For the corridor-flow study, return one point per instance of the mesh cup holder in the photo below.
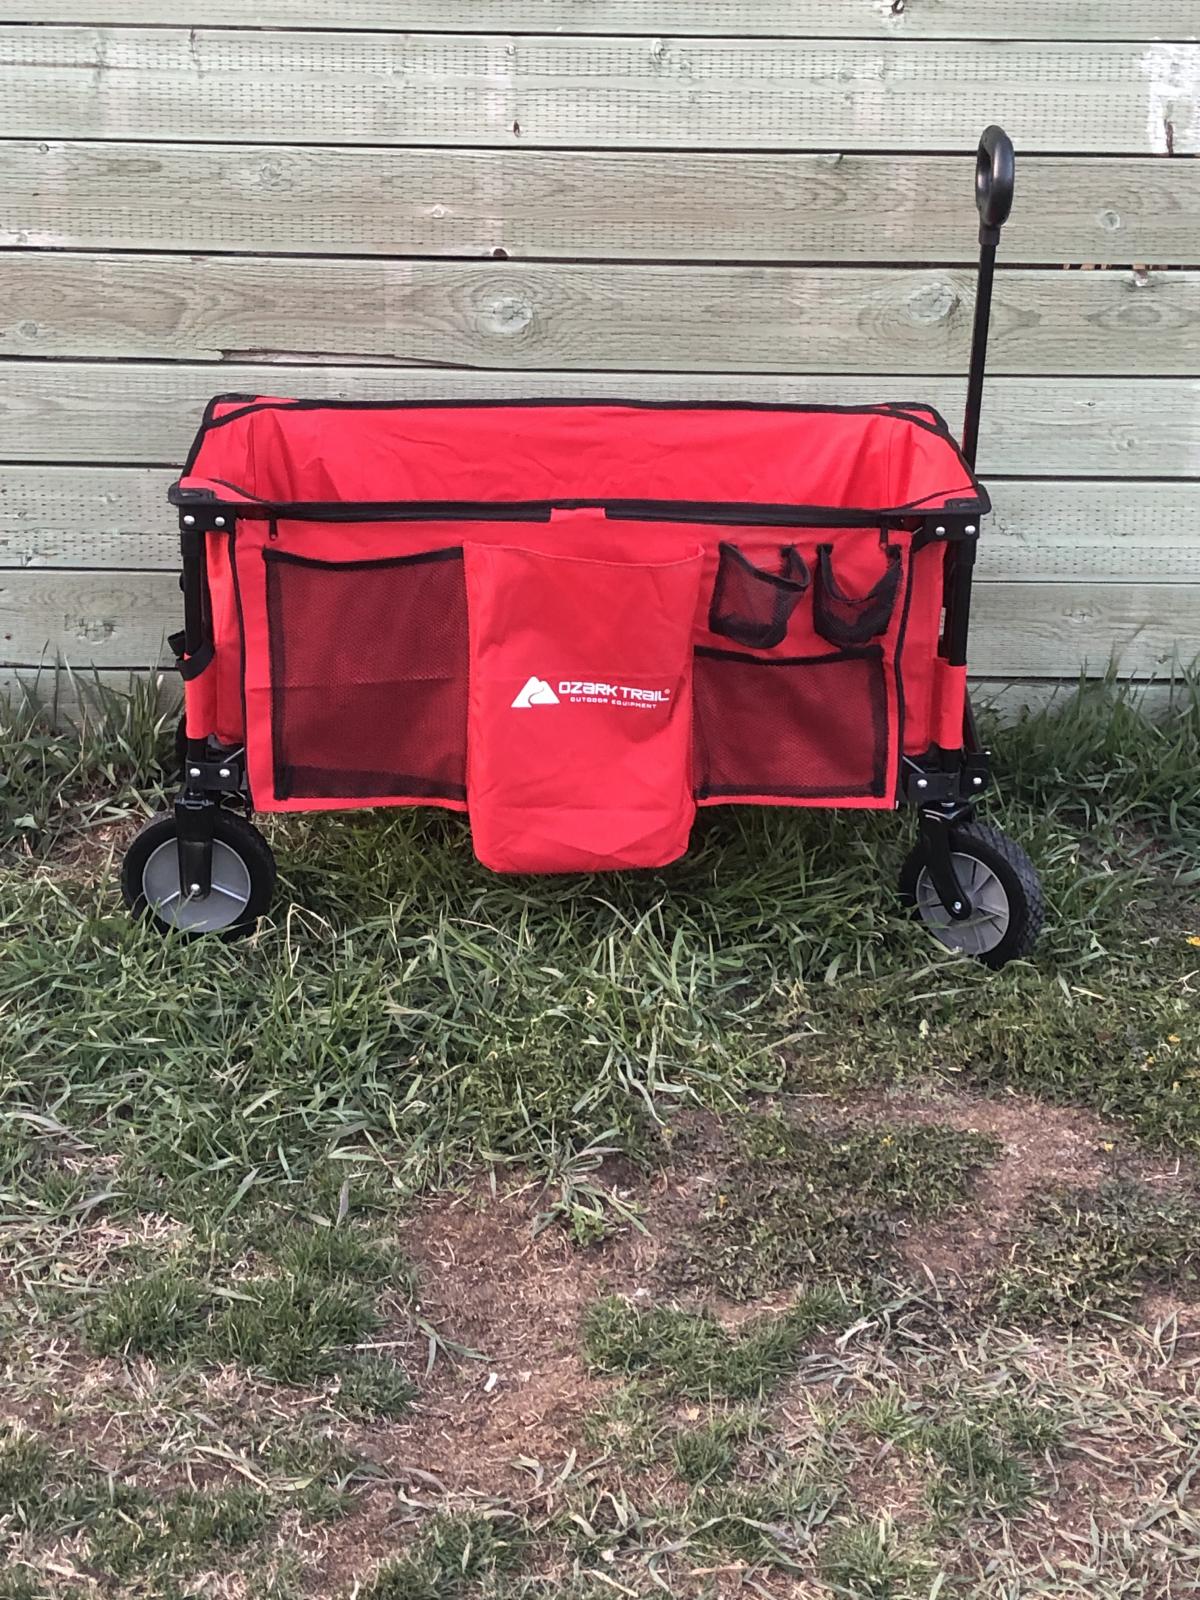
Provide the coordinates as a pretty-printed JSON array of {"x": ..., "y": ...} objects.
[
  {"x": 848, "y": 620},
  {"x": 799, "y": 727},
  {"x": 368, "y": 676},
  {"x": 752, "y": 605}
]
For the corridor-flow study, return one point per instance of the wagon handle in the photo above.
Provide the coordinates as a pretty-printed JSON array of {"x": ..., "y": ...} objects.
[{"x": 995, "y": 170}]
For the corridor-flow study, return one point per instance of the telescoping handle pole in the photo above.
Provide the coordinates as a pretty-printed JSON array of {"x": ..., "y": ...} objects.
[{"x": 995, "y": 168}]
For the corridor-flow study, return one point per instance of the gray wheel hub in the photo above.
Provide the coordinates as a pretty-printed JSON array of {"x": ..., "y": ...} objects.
[
  {"x": 220, "y": 908},
  {"x": 990, "y": 917}
]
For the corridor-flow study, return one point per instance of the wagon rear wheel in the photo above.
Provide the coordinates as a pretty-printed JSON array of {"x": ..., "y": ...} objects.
[
  {"x": 243, "y": 879},
  {"x": 1005, "y": 891}
]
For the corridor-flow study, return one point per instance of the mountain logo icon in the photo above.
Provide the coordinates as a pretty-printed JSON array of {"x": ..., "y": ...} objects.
[{"x": 537, "y": 692}]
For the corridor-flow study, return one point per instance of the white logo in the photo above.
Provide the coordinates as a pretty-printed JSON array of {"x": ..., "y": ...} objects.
[
  {"x": 537, "y": 692},
  {"x": 582, "y": 691}
]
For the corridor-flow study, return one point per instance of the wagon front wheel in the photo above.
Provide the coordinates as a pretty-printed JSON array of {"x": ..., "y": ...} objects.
[
  {"x": 243, "y": 879},
  {"x": 1005, "y": 890}
]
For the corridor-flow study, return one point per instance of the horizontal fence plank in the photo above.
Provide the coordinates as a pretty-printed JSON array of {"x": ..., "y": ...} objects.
[
  {"x": 508, "y": 314},
  {"x": 147, "y": 413},
  {"x": 1018, "y": 629},
  {"x": 1057, "y": 629},
  {"x": 1009, "y": 701},
  {"x": 914, "y": 19},
  {"x": 364, "y": 88},
  {"x": 86, "y": 517},
  {"x": 688, "y": 207},
  {"x": 65, "y": 698},
  {"x": 1095, "y": 532}
]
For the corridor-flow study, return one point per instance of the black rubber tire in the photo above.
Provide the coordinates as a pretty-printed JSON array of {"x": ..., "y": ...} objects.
[
  {"x": 1017, "y": 874},
  {"x": 232, "y": 830}
]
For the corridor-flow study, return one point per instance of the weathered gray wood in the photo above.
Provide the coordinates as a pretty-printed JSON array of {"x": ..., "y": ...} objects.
[
  {"x": 1019, "y": 629},
  {"x": 1011, "y": 701},
  {"x": 365, "y": 88},
  {"x": 915, "y": 19},
  {"x": 1098, "y": 532},
  {"x": 86, "y": 517},
  {"x": 692, "y": 207},
  {"x": 67, "y": 698},
  {"x": 1058, "y": 629},
  {"x": 505, "y": 314},
  {"x": 117, "y": 619},
  {"x": 1094, "y": 532},
  {"x": 148, "y": 413}
]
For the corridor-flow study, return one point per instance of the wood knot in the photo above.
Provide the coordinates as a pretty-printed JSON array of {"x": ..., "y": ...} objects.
[
  {"x": 273, "y": 175},
  {"x": 507, "y": 314},
  {"x": 933, "y": 302}
]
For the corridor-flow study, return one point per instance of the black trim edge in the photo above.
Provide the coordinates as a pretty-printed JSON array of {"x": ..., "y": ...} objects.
[{"x": 291, "y": 559}]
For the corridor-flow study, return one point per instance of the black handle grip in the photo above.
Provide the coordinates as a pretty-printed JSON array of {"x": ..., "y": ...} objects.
[{"x": 995, "y": 173}]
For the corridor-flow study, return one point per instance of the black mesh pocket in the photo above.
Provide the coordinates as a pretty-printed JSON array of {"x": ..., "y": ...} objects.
[
  {"x": 368, "y": 676},
  {"x": 853, "y": 619},
  {"x": 801, "y": 727},
  {"x": 752, "y": 605}
]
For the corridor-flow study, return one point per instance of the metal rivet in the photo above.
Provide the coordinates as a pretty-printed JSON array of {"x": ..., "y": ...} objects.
[
  {"x": 940, "y": 533},
  {"x": 922, "y": 783},
  {"x": 189, "y": 522},
  {"x": 193, "y": 772},
  {"x": 225, "y": 773},
  {"x": 195, "y": 887},
  {"x": 958, "y": 905},
  {"x": 219, "y": 522},
  {"x": 978, "y": 782},
  {"x": 970, "y": 528}
]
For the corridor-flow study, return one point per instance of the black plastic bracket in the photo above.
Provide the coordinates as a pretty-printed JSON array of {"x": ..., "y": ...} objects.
[
  {"x": 976, "y": 773},
  {"x": 208, "y": 776},
  {"x": 194, "y": 818},
  {"x": 204, "y": 516},
  {"x": 945, "y": 777},
  {"x": 947, "y": 527},
  {"x": 936, "y": 823}
]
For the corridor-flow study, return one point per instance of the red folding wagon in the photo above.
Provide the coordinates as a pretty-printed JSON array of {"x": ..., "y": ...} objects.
[{"x": 577, "y": 621}]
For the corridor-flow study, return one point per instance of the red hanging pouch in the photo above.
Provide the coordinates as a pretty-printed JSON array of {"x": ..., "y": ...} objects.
[{"x": 580, "y": 708}]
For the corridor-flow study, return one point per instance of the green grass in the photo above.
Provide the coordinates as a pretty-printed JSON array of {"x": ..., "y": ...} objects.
[
  {"x": 205, "y": 1152},
  {"x": 872, "y": 1562},
  {"x": 798, "y": 1203},
  {"x": 770, "y": 1522},
  {"x": 1079, "y": 1254},
  {"x": 708, "y": 1453},
  {"x": 297, "y": 1322},
  {"x": 626, "y": 1427},
  {"x": 411, "y": 1014},
  {"x": 144, "y": 1541},
  {"x": 690, "y": 1353},
  {"x": 453, "y": 1555},
  {"x": 176, "y": 1534},
  {"x": 26, "y": 1469}
]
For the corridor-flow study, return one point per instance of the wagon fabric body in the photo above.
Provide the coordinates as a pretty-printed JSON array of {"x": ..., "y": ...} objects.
[{"x": 576, "y": 622}]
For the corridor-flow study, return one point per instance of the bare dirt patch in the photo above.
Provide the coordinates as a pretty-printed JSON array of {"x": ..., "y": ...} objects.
[{"x": 489, "y": 1285}]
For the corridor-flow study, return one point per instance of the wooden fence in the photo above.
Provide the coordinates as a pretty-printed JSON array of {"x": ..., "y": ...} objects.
[{"x": 760, "y": 198}]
